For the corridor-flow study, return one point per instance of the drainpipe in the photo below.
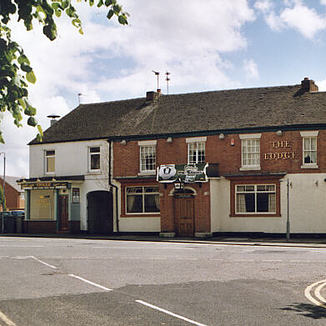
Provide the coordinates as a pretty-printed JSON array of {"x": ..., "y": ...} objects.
[{"x": 113, "y": 186}]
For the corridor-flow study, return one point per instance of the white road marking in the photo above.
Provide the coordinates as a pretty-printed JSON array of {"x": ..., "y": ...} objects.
[
  {"x": 44, "y": 263},
  {"x": 317, "y": 293},
  {"x": 17, "y": 246},
  {"x": 89, "y": 282},
  {"x": 6, "y": 320},
  {"x": 308, "y": 295},
  {"x": 169, "y": 313}
]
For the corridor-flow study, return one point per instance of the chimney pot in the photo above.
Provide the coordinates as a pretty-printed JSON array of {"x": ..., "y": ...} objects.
[
  {"x": 308, "y": 85},
  {"x": 153, "y": 96}
]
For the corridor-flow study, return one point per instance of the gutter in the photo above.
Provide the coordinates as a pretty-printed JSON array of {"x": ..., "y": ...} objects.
[{"x": 113, "y": 186}]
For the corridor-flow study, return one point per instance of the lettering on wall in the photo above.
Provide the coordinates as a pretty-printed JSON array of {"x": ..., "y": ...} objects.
[{"x": 280, "y": 150}]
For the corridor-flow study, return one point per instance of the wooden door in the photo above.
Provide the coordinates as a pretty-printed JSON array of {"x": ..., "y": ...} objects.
[
  {"x": 184, "y": 216},
  {"x": 63, "y": 213}
]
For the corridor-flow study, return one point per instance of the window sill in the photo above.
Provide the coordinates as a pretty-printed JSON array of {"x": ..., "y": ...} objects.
[
  {"x": 250, "y": 168},
  {"x": 147, "y": 172},
  {"x": 145, "y": 215},
  {"x": 310, "y": 166},
  {"x": 255, "y": 215},
  {"x": 95, "y": 172}
]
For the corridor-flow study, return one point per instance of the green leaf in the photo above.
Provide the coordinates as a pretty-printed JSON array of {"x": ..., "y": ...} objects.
[
  {"x": 23, "y": 59},
  {"x": 50, "y": 31},
  {"x": 100, "y": 4},
  {"x": 40, "y": 130},
  {"x": 110, "y": 14},
  {"x": 25, "y": 67},
  {"x": 31, "y": 77},
  {"x": 30, "y": 111},
  {"x": 122, "y": 20},
  {"x": 32, "y": 121}
]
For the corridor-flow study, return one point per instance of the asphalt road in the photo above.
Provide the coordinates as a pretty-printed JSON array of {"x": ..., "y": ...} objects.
[{"x": 100, "y": 282}]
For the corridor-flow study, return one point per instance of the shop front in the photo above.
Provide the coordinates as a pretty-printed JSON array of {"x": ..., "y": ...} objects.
[{"x": 51, "y": 205}]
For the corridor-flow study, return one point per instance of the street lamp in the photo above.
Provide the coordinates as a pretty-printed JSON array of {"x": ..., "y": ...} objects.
[{"x": 3, "y": 191}]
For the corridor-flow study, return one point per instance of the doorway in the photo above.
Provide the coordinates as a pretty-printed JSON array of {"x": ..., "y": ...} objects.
[
  {"x": 184, "y": 213},
  {"x": 100, "y": 212},
  {"x": 63, "y": 214}
]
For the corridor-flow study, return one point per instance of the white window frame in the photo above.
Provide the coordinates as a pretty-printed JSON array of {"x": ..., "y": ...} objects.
[
  {"x": 48, "y": 156},
  {"x": 245, "y": 138},
  {"x": 147, "y": 147},
  {"x": 255, "y": 192},
  {"x": 90, "y": 154},
  {"x": 311, "y": 135},
  {"x": 196, "y": 145},
  {"x": 143, "y": 194},
  {"x": 75, "y": 195}
]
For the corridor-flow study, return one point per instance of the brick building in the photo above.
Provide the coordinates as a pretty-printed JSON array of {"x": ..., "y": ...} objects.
[
  {"x": 14, "y": 194},
  {"x": 244, "y": 160}
]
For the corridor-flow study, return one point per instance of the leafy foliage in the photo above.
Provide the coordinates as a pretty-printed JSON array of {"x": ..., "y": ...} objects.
[{"x": 15, "y": 68}]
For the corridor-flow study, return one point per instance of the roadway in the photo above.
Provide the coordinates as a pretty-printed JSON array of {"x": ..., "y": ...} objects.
[{"x": 110, "y": 282}]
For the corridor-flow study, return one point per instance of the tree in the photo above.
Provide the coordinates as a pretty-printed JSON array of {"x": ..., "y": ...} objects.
[{"x": 15, "y": 68}]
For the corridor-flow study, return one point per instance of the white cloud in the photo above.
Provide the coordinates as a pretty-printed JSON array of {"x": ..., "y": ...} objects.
[
  {"x": 251, "y": 69},
  {"x": 295, "y": 16},
  {"x": 111, "y": 61},
  {"x": 304, "y": 20},
  {"x": 321, "y": 85}
]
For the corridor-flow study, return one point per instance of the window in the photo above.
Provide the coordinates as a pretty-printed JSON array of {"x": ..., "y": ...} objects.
[
  {"x": 75, "y": 195},
  {"x": 94, "y": 158},
  {"x": 196, "y": 153},
  {"x": 142, "y": 200},
  {"x": 196, "y": 150},
  {"x": 49, "y": 161},
  {"x": 309, "y": 148},
  {"x": 255, "y": 199},
  {"x": 147, "y": 156},
  {"x": 250, "y": 152}
]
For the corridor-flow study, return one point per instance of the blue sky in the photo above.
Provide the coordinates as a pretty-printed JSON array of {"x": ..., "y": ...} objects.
[{"x": 205, "y": 45}]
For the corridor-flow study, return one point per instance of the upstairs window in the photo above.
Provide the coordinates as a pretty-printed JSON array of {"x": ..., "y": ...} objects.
[
  {"x": 196, "y": 150},
  {"x": 49, "y": 162},
  {"x": 147, "y": 156},
  {"x": 94, "y": 159},
  {"x": 250, "y": 152},
  {"x": 309, "y": 149}
]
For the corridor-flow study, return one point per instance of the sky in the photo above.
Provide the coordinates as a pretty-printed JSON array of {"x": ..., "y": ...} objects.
[{"x": 204, "y": 45}]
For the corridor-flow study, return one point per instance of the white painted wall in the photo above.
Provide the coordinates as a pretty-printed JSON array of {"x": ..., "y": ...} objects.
[
  {"x": 307, "y": 207},
  {"x": 71, "y": 158},
  {"x": 140, "y": 224}
]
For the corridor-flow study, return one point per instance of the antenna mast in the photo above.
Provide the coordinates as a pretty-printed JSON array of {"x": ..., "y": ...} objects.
[
  {"x": 157, "y": 74},
  {"x": 167, "y": 82}
]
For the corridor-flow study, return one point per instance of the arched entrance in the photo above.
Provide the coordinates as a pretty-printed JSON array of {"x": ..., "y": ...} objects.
[
  {"x": 100, "y": 212},
  {"x": 184, "y": 213}
]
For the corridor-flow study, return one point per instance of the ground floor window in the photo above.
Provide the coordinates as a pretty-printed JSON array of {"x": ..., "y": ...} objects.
[
  {"x": 255, "y": 199},
  {"x": 142, "y": 200}
]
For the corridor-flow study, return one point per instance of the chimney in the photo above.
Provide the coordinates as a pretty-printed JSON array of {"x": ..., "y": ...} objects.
[
  {"x": 308, "y": 85},
  {"x": 53, "y": 118},
  {"x": 153, "y": 96}
]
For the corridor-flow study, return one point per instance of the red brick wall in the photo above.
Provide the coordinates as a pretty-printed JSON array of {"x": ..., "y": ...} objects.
[
  {"x": 13, "y": 200},
  {"x": 272, "y": 159}
]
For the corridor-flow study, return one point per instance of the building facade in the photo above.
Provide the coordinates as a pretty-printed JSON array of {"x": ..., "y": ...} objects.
[
  {"x": 247, "y": 160},
  {"x": 13, "y": 193}
]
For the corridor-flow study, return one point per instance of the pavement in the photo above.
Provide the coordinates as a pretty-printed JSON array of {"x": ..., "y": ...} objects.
[{"x": 247, "y": 239}]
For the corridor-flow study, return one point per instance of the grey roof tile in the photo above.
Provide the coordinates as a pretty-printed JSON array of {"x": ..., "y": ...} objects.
[{"x": 194, "y": 112}]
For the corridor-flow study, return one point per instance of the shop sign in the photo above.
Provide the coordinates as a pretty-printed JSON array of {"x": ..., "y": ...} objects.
[
  {"x": 185, "y": 173},
  {"x": 44, "y": 185},
  {"x": 281, "y": 150}
]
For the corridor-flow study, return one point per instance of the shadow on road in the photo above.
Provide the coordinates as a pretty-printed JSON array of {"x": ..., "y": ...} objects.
[{"x": 307, "y": 310}]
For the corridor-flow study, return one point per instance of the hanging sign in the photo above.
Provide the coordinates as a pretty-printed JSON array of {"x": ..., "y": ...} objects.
[{"x": 186, "y": 173}]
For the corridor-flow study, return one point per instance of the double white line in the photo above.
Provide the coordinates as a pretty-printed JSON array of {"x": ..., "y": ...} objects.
[{"x": 312, "y": 293}]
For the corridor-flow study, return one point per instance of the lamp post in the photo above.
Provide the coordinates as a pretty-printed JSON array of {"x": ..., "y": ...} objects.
[{"x": 3, "y": 191}]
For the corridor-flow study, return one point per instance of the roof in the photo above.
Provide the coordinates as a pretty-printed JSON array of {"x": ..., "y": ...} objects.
[
  {"x": 215, "y": 111},
  {"x": 12, "y": 181}
]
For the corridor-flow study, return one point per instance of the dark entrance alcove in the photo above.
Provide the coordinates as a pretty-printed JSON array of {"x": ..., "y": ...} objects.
[{"x": 100, "y": 212}]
